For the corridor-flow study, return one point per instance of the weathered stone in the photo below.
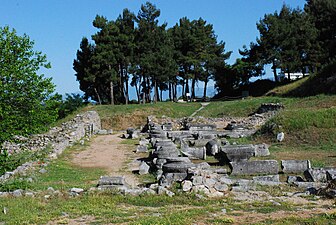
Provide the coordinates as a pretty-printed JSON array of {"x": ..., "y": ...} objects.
[
  {"x": 168, "y": 178},
  {"x": 254, "y": 167},
  {"x": 213, "y": 193},
  {"x": 261, "y": 150},
  {"x": 292, "y": 179},
  {"x": 273, "y": 178},
  {"x": 178, "y": 159},
  {"x": 280, "y": 136},
  {"x": 195, "y": 153},
  {"x": 186, "y": 185},
  {"x": 226, "y": 180},
  {"x": 307, "y": 185},
  {"x": 106, "y": 180},
  {"x": 212, "y": 147},
  {"x": 197, "y": 127},
  {"x": 221, "y": 187},
  {"x": 209, "y": 182},
  {"x": 143, "y": 141},
  {"x": 236, "y": 153},
  {"x": 331, "y": 174},
  {"x": 144, "y": 168},
  {"x": 316, "y": 175},
  {"x": 176, "y": 167},
  {"x": 167, "y": 127},
  {"x": 142, "y": 149},
  {"x": 295, "y": 166},
  {"x": 43, "y": 171},
  {"x": 197, "y": 180},
  {"x": 77, "y": 190},
  {"x": 201, "y": 189},
  {"x": 17, "y": 193}
]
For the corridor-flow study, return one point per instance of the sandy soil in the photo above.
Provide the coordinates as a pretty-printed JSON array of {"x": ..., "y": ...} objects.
[{"x": 107, "y": 152}]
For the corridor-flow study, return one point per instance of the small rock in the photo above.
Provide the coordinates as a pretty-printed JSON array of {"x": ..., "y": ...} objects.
[
  {"x": 280, "y": 136},
  {"x": 29, "y": 194},
  {"x": 43, "y": 171},
  {"x": 170, "y": 193},
  {"x": 221, "y": 187},
  {"x": 144, "y": 168},
  {"x": 64, "y": 214},
  {"x": 17, "y": 193},
  {"x": 77, "y": 190},
  {"x": 51, "y": 190},
  {"x": 47, "y": 197},
  {"x": 186, "y": 185},
  {"x": 142, "y": 149},
  {"x": 5, "y": 210},
  {"x": 224, "y": 211}
]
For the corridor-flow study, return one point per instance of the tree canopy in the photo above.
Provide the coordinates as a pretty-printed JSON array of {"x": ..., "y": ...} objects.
[{"x": 26, "y": 102}]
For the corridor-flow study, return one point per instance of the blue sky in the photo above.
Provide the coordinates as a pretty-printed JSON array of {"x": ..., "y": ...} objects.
[{"x": 57, "y": 26}]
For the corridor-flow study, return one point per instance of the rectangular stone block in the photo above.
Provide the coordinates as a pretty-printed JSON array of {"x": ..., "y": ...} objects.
[
  {"x": 254, "y": 167},
  {"x": 331, "y": 174},
  {"x": 295, "y": 166},
  {"x": 235, "y": 153},
  {"x": 105, "y": 180},
  {"x": 316, "y": 175}
]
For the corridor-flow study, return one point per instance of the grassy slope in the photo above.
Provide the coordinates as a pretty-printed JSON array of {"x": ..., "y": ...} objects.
[{"x": 120, "y": 117}]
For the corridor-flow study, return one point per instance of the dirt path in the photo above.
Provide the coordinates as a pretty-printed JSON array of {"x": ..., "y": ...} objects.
[{"x": 107, "y": 152}]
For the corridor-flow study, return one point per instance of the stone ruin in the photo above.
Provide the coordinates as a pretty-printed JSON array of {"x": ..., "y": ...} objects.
[
  {"x": 57, "y": 139},
  {"x": 179, "y": 156}
]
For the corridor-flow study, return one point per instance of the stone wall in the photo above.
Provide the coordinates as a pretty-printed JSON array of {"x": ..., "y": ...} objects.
[{"x": 83, "y": 126}]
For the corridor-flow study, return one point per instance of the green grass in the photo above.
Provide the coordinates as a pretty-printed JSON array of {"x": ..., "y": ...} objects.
[{"x": 285, "y": 89}]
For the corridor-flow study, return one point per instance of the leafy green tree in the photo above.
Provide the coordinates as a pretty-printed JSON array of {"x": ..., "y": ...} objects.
[
  {"x": 88, "y": 82},
  {"x": 27, "y": 104}
]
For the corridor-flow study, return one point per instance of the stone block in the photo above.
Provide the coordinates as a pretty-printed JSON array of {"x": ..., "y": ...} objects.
[
  {"x": 273, "y": 178},
  {"x": 331, "y": 174},
  {"x": 200, "y": 127},
  {"x": 254, "y": 167},
  {"x": 195, "y": 153},
  {"x": 186, "y": 185},
  {"x": 117, "y": 180},
  {"x": 295, "y": 166},
  {"x": 177, "y": 167},
  {"x": 142, "y": 149},
  {"x": 221, "y": 187},
  {"x": 261, "y": 150},
  {"x": 212, "y": 147},
  {"x": 144, "y": 168},
  {"x": 236, "y": 153},
  {"x": 316, "y": 175},
  {"x": 292, "y": 179}
]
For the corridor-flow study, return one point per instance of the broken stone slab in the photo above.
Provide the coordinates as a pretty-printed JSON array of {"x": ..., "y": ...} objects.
[
  {"x": 280, "y": 136},
  {"x": 167, "y": 127},
  {"x": 141, "y": 149},
  {"x": 195, "y": 153},
  {"x": 104, "y": 132},
  {"x": 295, "y": 166},
  {"x": 273, "y": 178},
  {"x": 205, "y": 135},
  {"x": 307, "y": 185},
  {"x": 197, "y": 127},
  {"x": 292, "y": 179},
  {"x": 163, "y": 154},
  {"x": 115, "y": 180},
  {"x": 212, "y": 147},
  {"x": 236, "y": 153},
  {"x": 144, "y": 168},
  {"x": 243, "y": 185},
  {"x": 254, "y": 167},
  {"x": 178, "y": 159},
  {"x": 167, "y": 179},
  {"x": 221, "y": 187},
  {"x": 177, "y": 167},
  {"x": 143, "y": 141},
  {"x": 331, "y": 174},
  {"x": 77, "y": 190},
  {"x": 316, "y": 175},
  {"x": 261, "y": 150}
]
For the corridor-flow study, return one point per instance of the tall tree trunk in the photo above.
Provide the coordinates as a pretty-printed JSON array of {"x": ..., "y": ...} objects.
[
  {"x": 112, "y": 93},
  {"x": 288, "y": 74},
  {"x": 121, "y": 81},
  {"x": 170, "y": 91},
  {"x": 275, "y": 72},
  {"x": 126, "y": 91},
  {"x": 155, "y": 92},
  {"x": 148, "y": 90},
  {"x": 205, "y": 88},
  {"x": 187, "y": 87},
  {"x": 175, "y": 92},
  {"x": 193, "y": 83},
  {"x": 137, "y": 92},
  {"x": 161, "y": 99},
  {"x": 99, "y": 100},
  {"x": 182, "y": 94}
]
